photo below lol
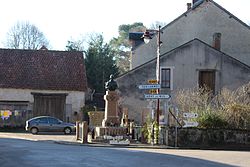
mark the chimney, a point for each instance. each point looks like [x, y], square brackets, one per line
[194, 1]
[217, 40]
[189, 6]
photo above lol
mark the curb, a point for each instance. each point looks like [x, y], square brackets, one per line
[114, 146]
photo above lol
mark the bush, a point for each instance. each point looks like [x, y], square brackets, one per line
[230, 108]
[149, 134]
[85, 110]
[212, 120]
[236, 106]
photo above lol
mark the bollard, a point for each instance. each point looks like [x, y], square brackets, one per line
[166, 137]
[84, 133]
[77, 130]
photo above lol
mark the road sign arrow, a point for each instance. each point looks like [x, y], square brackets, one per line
[190, 115]
[155, 86]
[156, 96]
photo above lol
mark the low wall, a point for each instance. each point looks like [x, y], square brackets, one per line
[198, 138]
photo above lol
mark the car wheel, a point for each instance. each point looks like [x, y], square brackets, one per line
[34, 130]
[67, 131]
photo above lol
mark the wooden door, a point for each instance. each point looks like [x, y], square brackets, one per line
[207, 80]
[50, 105]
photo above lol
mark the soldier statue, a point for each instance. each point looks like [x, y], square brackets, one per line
[111, 85]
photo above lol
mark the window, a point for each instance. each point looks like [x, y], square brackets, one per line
[43, 120]
[53, 121]
[166, 78]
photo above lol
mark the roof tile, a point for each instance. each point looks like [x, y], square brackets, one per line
[42, 69]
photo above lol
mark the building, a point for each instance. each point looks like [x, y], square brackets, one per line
[202, 20]
[41, 82]
[206, 45]
[193, 64]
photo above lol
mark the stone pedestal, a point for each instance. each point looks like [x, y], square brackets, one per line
[111, 117]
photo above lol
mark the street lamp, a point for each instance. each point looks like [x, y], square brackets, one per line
[147, 36]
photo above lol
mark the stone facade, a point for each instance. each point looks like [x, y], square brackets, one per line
[200, 22]
[185, 63]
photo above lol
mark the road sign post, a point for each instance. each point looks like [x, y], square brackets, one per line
[154, 93]
[190, 115]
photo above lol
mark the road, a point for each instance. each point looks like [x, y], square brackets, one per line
[27, 153]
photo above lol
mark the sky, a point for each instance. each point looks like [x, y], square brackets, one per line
[62, 20]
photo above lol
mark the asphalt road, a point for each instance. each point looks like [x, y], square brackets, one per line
[46, 153]
[24, 149]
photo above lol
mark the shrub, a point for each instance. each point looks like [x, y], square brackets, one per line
[151, 135]
[212, 120]
[230, 108]
[236, 106]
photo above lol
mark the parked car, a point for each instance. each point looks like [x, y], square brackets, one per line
[48, 124]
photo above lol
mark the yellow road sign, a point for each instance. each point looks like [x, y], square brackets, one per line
[153, 91]
[152, 81]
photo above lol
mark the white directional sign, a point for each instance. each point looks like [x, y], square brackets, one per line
[155, 86]
[190, 124]
[156, 96]
[190, 115]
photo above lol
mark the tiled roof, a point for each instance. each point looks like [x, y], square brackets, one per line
[42, 70]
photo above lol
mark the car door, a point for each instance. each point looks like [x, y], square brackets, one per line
[42, 124]
[55, 124]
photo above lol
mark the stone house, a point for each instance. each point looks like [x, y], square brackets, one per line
[202, 20]
[206, 45]
[41, 82]
[192, 64]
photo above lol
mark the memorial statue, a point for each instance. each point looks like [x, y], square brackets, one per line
[111, 98]
[111, 85]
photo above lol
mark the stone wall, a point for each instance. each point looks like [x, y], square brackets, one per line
[202, 138]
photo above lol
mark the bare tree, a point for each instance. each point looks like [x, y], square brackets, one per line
[24, 35]
[156, 24]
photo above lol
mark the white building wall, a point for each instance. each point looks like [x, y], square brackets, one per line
[75, 98]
